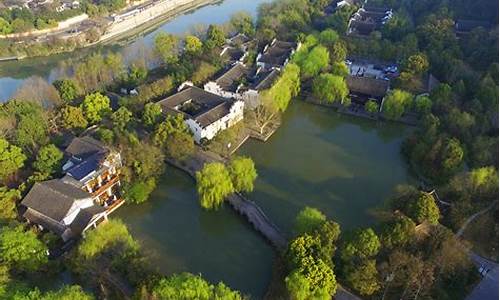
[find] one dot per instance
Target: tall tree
(424, 208)
(243, 173)
(11, 159)
(308, 220)
(21, 249)
(167, 45)
(330, 88)
(396, 103)
(48, 160)
(213, 185)
(95, 106)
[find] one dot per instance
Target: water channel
(344, 166)
(13, 73)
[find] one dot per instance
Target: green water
(341, 165)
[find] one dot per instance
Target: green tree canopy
(167, 45)
(243, 173)
(152, 114)
(330, 88)
(284, 89)
(48, 160)
(95, 106)
(423, 105)
(187, 286)
(424, 208)
(139, 190)
(316, 61)
(192, 45)
(21, 249)
(8, 211)
(11, 159)
(215, 37)
(396, 103)
(213, 185)
(108, 235)
(363, 243)
(68, 89)
(371, 107)
(417, 64)
(121, 118)
(5, 27)
(397, 232)
(363, 278)
(72, 118)
(168, 127)
(308, 220)
(328, 37)
(179, 145)
(242, 22)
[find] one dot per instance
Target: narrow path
(473, 217)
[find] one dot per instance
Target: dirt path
(473, 217)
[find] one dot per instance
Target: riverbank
(146, 18)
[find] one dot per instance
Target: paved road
(488, 287)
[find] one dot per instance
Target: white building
(206, 114)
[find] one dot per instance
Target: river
(342, 165)
(13, 73)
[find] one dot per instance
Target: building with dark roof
(205, 113)
(362, 89)
(95, 168)
(276, 54)
(229, 82)
(367, 19)
(62, 208)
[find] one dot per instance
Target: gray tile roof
(53, 198)
(83, 147)
(84, 217)
(265, 80)
(207, 107)
(373, 87)
(233, 77)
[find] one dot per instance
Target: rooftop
(53, 198)
(264, 80)
(231, 78)
(372, 87)
(197, 104)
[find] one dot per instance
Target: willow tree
(330, 88)
(275, 100)
(243, 173)
(213, 185)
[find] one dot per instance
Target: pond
(344, 166)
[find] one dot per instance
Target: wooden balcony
(105, 185)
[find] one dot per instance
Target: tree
(109, 235)
(68, 89)
(192, 45)
(167, 46)
(48, 160)
(298, 286)
(11, 159)
(121, 118)
(32, 132)
(338, 52)
(451, 156)
(363, 243)
(95, 106)
(38, 90)
(371, 107)
(8, 211)
(423, 105)
(21, 249)
(213, 185)
(72, 118)
(179, 145)
(5, 27)
(424, 208)
(243, 173)
(417, 64)
(363, 278)
(396, 103)
(330, 88)
(203, 73)
(152, 114)
(215, 37)
(328, 37)
(316, 61)
(242, 22)
(308, 220)
(139, 191)
(142, 160)
(397, 232)
(339, 69)
(191, 287)
(167, 128)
